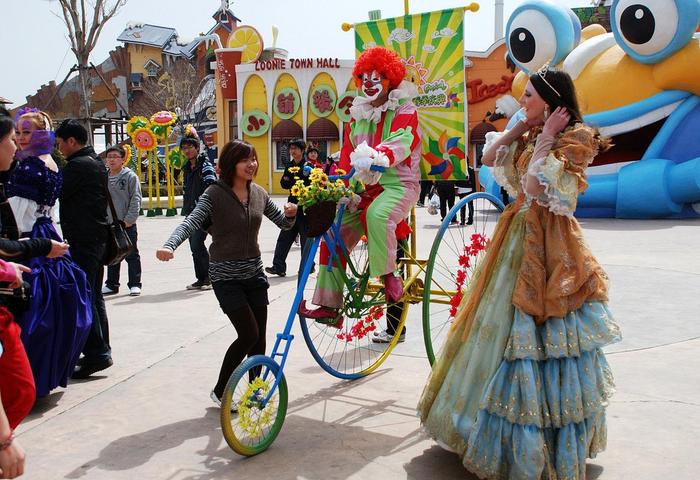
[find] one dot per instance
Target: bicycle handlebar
(348, 176)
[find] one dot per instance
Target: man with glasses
(198, 174)
(125, 189)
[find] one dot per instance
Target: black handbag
(16, 300)
(118, 242)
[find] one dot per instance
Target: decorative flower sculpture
(135, 123)
(127, 153)
(176, 158)
(161, 122)
(144, 139)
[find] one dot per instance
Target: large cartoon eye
(651, 30)
(541, 32)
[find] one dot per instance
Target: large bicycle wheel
(254, 426)
(455, 253)
(345, 348)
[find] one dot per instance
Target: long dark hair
(232, 153)
(557, 89)
(6, 123)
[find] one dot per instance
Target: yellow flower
(295, 190)
(293, 169)
(339, 183)
(323, 178)
(340, 171)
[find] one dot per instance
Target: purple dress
(56, 325)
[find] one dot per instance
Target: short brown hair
(232, 153)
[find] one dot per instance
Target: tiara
(542, 72)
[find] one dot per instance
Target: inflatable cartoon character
(639, 85)
(384, 132)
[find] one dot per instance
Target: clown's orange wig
(385, 61)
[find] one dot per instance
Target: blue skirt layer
(543, 412)
(57, 323)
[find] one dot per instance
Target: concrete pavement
(150, 417)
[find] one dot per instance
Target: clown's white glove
(362, 158)
(361, 164)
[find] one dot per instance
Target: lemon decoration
(249, 39)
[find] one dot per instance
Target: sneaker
(199, 285)
(385, 337)
(109, 291)
(217, 402)
(273, 271)
(135, 291)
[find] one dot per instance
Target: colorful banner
(432, 47)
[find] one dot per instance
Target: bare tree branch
(77, 15)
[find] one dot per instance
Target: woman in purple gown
(56, 324)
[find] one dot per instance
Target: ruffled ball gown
(520, 388)
(57, 322)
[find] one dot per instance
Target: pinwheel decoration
(443, 155)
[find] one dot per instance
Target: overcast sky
(35, 49)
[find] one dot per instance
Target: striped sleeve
(191, 223)
(208, 174)
(276, 215)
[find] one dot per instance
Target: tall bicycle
(254, 404)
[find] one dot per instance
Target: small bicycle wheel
(254, 424)
(455, 253)
(345, 347)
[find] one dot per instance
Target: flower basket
(319, 217)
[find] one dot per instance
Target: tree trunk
(85, 96)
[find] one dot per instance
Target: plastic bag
(434, 204)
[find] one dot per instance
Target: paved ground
(150, 417)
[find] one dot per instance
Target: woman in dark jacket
(233, 208)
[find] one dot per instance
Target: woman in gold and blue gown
(520, 388)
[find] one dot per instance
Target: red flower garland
(478, 244)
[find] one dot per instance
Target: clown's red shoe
(324, 315)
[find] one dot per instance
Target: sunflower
(293, 169)
(340, 172)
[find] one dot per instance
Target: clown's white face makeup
(372, 86)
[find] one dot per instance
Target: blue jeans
(133, 261)
(200, 255)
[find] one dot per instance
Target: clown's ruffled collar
(363, 110)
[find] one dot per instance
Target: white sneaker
(385, 337)
(135, 291)
(108, 291)
(217, 402)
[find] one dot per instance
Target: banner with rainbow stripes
(432, 47)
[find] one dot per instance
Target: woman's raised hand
(164, 254)
(557, 121)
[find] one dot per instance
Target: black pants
(462, 210)
(284, 243)
(394, 310)
(447, 201)
(425, 186)
(200, 255)
(89, 258)
(133, 262)
(245, 304)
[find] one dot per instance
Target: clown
(383, 132)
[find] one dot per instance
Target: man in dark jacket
(83, 212)
(198, 173)
(286, 237)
